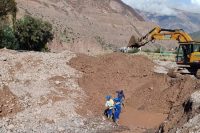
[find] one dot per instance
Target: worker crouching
(109, 107)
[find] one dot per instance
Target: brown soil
(149, 96)
(9, 103)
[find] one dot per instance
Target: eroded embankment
(149, 96)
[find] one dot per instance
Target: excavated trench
(151, 98)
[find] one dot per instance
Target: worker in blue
(121, 96)
(117, 110)
(109, 107)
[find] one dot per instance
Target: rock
(39, 111)
(57, 82)
(10, 127)
(6, 105)
(3, 59)
(195, 98)
(6, 119)
(10, 111)
(150, 88)
(68, 76)
(74, 86)
(61, 129)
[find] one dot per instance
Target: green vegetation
(102, 42)
(27, 33)
(7, 38)
(134, 50)
(158, 50)
(33, 34)
(30, 34)
(147, 50)
(7, 7)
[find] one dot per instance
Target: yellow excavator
(188, 52)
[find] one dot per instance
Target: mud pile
(106, 74)
(147, 93)
(184, 114)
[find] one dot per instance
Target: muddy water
(138, 121)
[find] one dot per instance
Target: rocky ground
(39, 93)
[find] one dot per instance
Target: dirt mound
(106, 74)
(183, 110)
(9, 103)
(147, 93)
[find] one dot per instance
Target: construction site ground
(65, 92)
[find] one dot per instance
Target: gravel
(48, 92)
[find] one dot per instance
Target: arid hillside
(188, 21)
(87, 26)
(196, 36)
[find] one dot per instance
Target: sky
(165, 7)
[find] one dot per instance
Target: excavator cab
(188, 54)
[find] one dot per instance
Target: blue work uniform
(121, 96)
(117, 109)
(109, 104)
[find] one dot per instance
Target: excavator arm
(160, 34)
(188, 52)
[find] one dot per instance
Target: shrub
(8, 7)
(7, 38)
(147, 50)
(33, 34)
(158, 50)
(134, 50)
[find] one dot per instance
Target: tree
(33, 34)
(7, 38)
(8, 7)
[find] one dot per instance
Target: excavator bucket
(133, 42)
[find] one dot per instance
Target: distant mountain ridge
(187, 21)
(196, 36)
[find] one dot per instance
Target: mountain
(188, 21)
(87, 26)
(196, 36)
